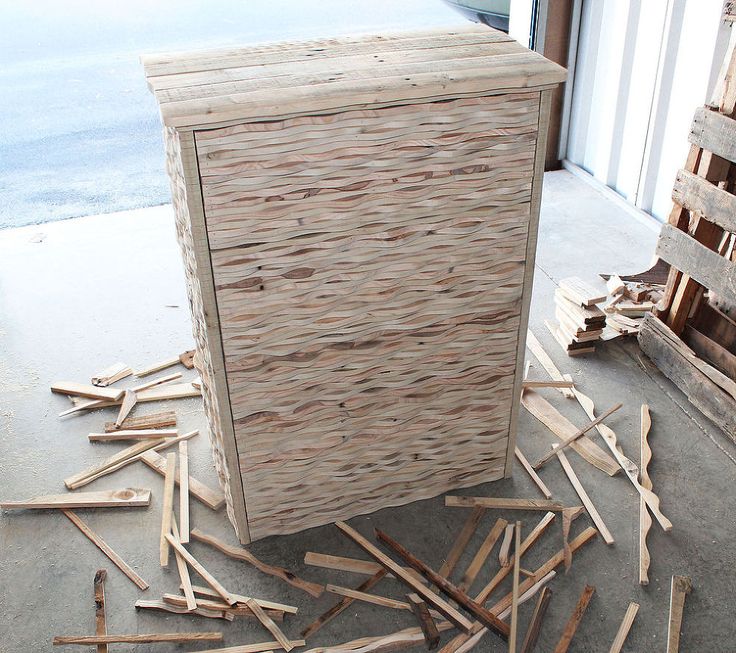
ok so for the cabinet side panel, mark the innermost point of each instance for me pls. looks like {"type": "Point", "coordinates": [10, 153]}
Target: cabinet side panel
{"type": "Point", "coordinates": [181, 163]}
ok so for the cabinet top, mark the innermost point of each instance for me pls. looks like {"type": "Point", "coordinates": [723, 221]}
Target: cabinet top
{"type": "Point", "coordinates": [280, 80]}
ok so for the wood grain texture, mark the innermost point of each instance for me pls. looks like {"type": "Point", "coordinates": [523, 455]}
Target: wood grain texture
{"type": "Point", "coordinates": [714, 132]}
{"type": "Point", "coordinates": [167, 509]}
{"type": "Point", "coordinates": [461, 541]}
{"type": "Point", "coordinates": [128, 497]}
{"type": "Point", "coordinates": [503, 503]}
{"type": "Point", "coordinates": [532, 473]}
{"type": "Point", "coordinates": [574, 621]}
{"type": "Point", "coordinates": [100, 614]}
{"type": "Point", "coordinates": [645, 520]}
{"type": "Point", "coordinates": [624, 628]}
{"type": "Point", "coordinates": [480, 557]}
{"type": "Point", "coordinates": [153, 421]}
{"type": "Point", "coordinates": [680, 587]}
{"type": "Point", "coordinates": [534, 628]}
{"type": "Point", "coordinates": [696, 193]}
{"type": "Point", "coordinates": [91, 640]}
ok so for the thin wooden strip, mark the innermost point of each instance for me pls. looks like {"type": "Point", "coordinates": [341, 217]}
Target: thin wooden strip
{"type": "Point", "coordinates": [680, 587]}
{"type": "Point", "coordinates": [645, 521]}
{"type": "Point", "coordinates": [211, 498]}
{"type": "Point", "coordinates": [85, 390]}
{"type": "Point", "coordinates": [545, 361]}
{"type": "Point", "coordinates": [162, 606]}
{"type": "Point", "coordinates": [130, 399]}
{"type": "Point", "coordinates": [502, 503]}
{"type": "Point", "coordinates": [100, 616]}
{"type": "Point", "coordinates": [695, 193]}
{"type": "Point", "coordinates": [313, 589]}
{"type": "Point", "coordinates": [249, 648]}
{"type": "Point", "coordinates": [428, 595]}
{"type": "Point", "coordinates": [461, 541]}
{"type": "Point", "coordinates": [531, 592]}
{"type": "Point", "coordinates": [352, 565]}
{"type": "Point", "coordinates": [134, 434]}
{"type": "Point", "coordinates": [128, 497]}
{"type": "Point", "coordinates": [239, 610]}
{"type": "Point", "coordinates": [181, 567]}
{"type": "Point", "coordinates": [167, 508]}
{"type": "Point", "coordinates": [209, 578]}
{"type": "Point", "coordinates": [482, 555]}
{"type": "Point", "coordinates": [406, 638]}
{"type": "Point", "coordinates": [515, 589]}
{"type": "Point", "coordinates": [580, 490]}
{"type": "Point", "coordinates": [183, 475]}
{"type": "Point", "coordinates": [546, 384]}
{"type": "Point", "coordinates": [532, 473]}
{"type": "Point", "coordinates": [535, 623]}
{"type": "Point", "coordinates": [87, 640]}
{"type": "Point", "coordinates": [445, 586]}
{"type": "Point", "coordinates": [505, 548]}
{"type": "Point", "coordinates": [426, 623]}
{"type": "Point", "coordinates": [574, 621]}
{"type": "Point", "coordinates": [623, 631]}
{"type": "Point", "coordinates": [266, 605]}
{"type": "Point", "coordinates": [112, 374]}
{"type": "Point", "coordinates": [105, 548]}
{"type": "Point", "coordinates": [270, 625]}
{"type": "Point", "coordinates": [157, 367]}
{"type": "Point", "coordinates": [154, 421]}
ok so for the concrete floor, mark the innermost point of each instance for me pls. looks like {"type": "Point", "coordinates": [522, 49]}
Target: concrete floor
{"type": "Point", "coordinates": [79, 295]}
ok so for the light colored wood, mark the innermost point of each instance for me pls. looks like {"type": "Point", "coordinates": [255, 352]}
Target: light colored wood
{"type": "Point", "coordinates": [91, 640]}
{"type": "Point", "coordinates": [547, 384]}
{"type": "Point", "coordinates": [181, 567]}
{"type": "Point", "coordinates": [111, 375]}
{"type": "Point", "coordinates": [183, 476]}
{"type": "Point", "coordinates": [575, 436]}
{"type": "Point", "coordinates": [695, 193]}
{"type": "Point", "coordinates": [353, 565]}
{"type": "Point", "coordinates": [568, 516]}
{"type": "Point", "coordinates": [568, 344]}
{"type": "Point", "coordinates": [561, 427]}
{"type": "Point", "coordinates": [85, 390]}
{"type": "Point", "coordinates": [100, 615]}
{"type": "Point", "coordinates": [535, 623]}
{"type": "Point", "coordinates": [679, 588]}
{"type": "Point", "coordinates": [580, 490]}
{"type": "Point", "coordinates": [482, 555]}
{"type": "Point", "coordinates": [623, 631]}
{"type": "Point", "coordinates": [580, 292]}
{"type": "Point", "coordinates": [461, 541]}
{"type": "Point", "coordinates": [105, 548]}
{"type": "Point", "coordinates": [167, 509]}
{"type": "Point", "coordinates": [368, 598]}
{"type": "Point", "coordinates": [503, 503]}
{"type": "Point", "coordinates": [157, 367]}
{"type": "Point", "coordinates": [585, 317]}
{"type": "Point", "coordinates": [130, 399]}
{"type": "Point", "coordinates": [546, 362]}
{"type": "Point", "coordinates": [266, 605]}
{"type": "Point", "coordinates": [430, 597]}
{"type": "Point", "coordinates": [211, 498]}
{"type": "Point", "coordinates": [645, 520]}
{"type": "Point", "coordinates": [127, 497]}
{"type": "Point", "coordinates": [714, 132]}
{"type": "Point", "coordinates": [532, 473]}
{"type": "Point", "coordinates": [503, 553]}
{"type": "Point", "coordinates": [515, 589]}
{"type": "Point", "coordinates": [238, 610]}
{"type": "Point", "coordinates": [406, 638]}
{"type": "Point", "coordinates": [146, 422]}
{"type": "Point", "coordinates": [270, 625]}
{"type": "Point", "coordinates": [135, 434]}
{"type": "Point", "coordinates": [162, 606]}
{"type": "Point", "coordinates": [530, 593]}
{"type": "Point", "coordinates": [194, 564]}
{"type": "Point", "coordinates": [574, 621]}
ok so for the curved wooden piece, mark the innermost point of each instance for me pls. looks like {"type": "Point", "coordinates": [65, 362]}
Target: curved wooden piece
{"type": "Point", "coordinates": [645, 520]}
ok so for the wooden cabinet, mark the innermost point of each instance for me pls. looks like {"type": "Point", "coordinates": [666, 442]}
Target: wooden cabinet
{"type": "Point", "coordinates": [358, 222]}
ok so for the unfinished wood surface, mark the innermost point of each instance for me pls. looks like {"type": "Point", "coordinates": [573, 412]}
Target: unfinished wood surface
{"type": "Point", "coordinates": [574, 621]}
{"type": "Point", "coordinates": [426, 623]}
{"type": "Point", "coordinates": [100, 615]}
{"type": "Point", "coordinates": [645, 521]}
{"type": "Point", "coordinates": [153, 638]}
{"type": "Point", "coordinates": [532, 473]}
{"type": "Point", "coordinates": [481, 555]}
{"type": "Point", "coordinates": [106, 549]}
{"type": "Point", "coordinates": [162, 606]}
{"type": "Point", "coordinates": [546, 362]}
{"type": "Point", "coordinates": [269, 624]}
{"type": "Point", "coordinates": [157, 367]}
{"type": "Point", "coordinates": [167, 509]}
{"type": "Point", "coordinates": [714, 132]}
{"type": "Point", "coordinates": [696, 193]}
{"type": "Point", "coordinates": [406, 638]}
{"type": "Point", "coordinates": [461, 541]}
{"type": "Point", "coordinates": [262, 647]}
{"type": "Point", "coordinates": [428, 595]}
{"type": "Point", "coordinates": [85, 390]}
{"type": "Point", "coordinates": [581, 292]}
{"type": "Point", "coordinates": [134, 434]}
{"type": "Point", "coordinates": [529, 593]}
{"type": "Point", "coordinates": [568, 516]}
{"type": "Point", "coordinates": [181, 567]}
{"type": "Point", "coordinates": [183, 475]}
{"type": "Point", "coordinates": [353, 565]}
{"type": "Point", "coordinates": [130, 399]}
{"type": "Point", "coordinates": [504, 558]}
{"type": "Point", "coordinates": [546, 384]}
{"type": "Point", "coordinates": [575, 436]}
{"type": "Point", "coordinates": [584, 316]}
{"type": "Point", "coordinates": [111, 375]}
{"type": "Point", "coordinates": [503, 503]}
{"type": "Point", "coordinates": [445, 586]}
{"type": "Point", "coordinates": [146, 422]}
{"type": "Point", "coordinates": [368, 598]}
{"type": "Point", "coordinates": [194, 564]}
{"type": "Point", "coordinates": [624, 628]}
{"type": "Point", "coordinates": [514, 626]}
{"type": "Point", "coordinates": [274, 606]}
{"type": "Point", "coordinates": [128, 497]}
{"type": "Point", "coordinates": [212, 498]}
{"type": "Point", "coordinates": [239, 553]}
{"type": "Point", "coordinates": [712, 352]}
{"type": "Point", "coordinates": [561, 427]}
{"type": "Point", "coordinates": [238, 610]}
{"type": "Point", "coordinates": [580, 491]}
{"type": "Point", "coordinates": [535, 623]}
{"type": "Point", "coordinates": [679, 588]}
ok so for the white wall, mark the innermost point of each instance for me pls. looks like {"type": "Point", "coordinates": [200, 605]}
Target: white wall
{"type": "Point", "coordinates": [643, 67]}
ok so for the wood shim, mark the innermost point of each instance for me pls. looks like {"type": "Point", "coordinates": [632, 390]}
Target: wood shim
{"type": "Point", "coordinates": [515, 589]}
{"type": "Point", "coordinates": [183, 476]}
{"type": "Point", "coordinates": [266, 605]}
{"type": "Point", "coordinates": [504, 550]}
{"type": "Point", "coordinates": [623, 631]}
{"type": "Point", "coordinates": [181, 567]}
{"type": "Point", "coordinates": [529, 593]}
{"type": "Point", "coordinates": [270, 625]}
{"type": "Point", "coordinates": [128, 497]}
{"type": "Point", "coordinates": [575, 618]}
{"type": "Point", "coordinates": [680, 587]}
{"type": "Point", "coordinates": [352, 565]}
{"type": "Point", "coordinates": [546, 362]}
{"type": "Point", "coordinates": [454, 501]}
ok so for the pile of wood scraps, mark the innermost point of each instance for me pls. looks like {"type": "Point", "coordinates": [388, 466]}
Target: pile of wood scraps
{"type": "Point", "coordinates": [580, 322]}
{"type": "Point", "coordinates": [629, 302]}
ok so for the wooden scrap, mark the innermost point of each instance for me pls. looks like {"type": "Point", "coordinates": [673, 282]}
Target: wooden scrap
{"type": "Point", "coordinates": [426, 623]}
{"type": "Point", "coordinates": [568, 516]}
{"type": "Point", "coordinates": [186, 359]}
{"type": "Point", "coordinates": [637, 292]}
{"type": "Point", "coordinates": [270, 625]}
{"type": "Point", "coordinates": [482, 555]}
{"type": "Point", "coordinates": [532, 473]}
{"type": "Point", "coordinates": [444, 585]}
{"type": "Point", "coordinates": [194, 563]}
{"type": "Point", "coordinates": [162, 606]}
{"type": "Point", "coordinates": [615, 285]}
{"type": "Point", "coordinates": [237, 610]}
{"type": "Point", "coordinates": [105, 548]}
{"type": "Point", "coordinates": [406, 638]}
{"type": "Point", "coordinates": [130, 399]}
{"type": "Point", "coordinates": [535, 623]}
{"type": "Point", "coordinates": [574, 621]}
{"type": "Point", "coordinates": [181, 567]}
{"type": "Point", "coordinates": [428, 595]}
{"type": "Point", "coordinates": [461, 541]}
{"type": "Point", "coordinates": [569, 347]}
{"type": "Point", "coordinates": [135, 434]}
{"type": "Point", "coordinates": [183, 476]}
{"type": "Point", "coordinates": [128, 497]}
{"type": "Point", "coordinates": [656, 274]}
{"type": "Point", "coordinates": [580, 490]}
{"type": "Point", "coordinates": [585, 317]}
{"type": "Point", "coordinates": [503, 553]}
{"type": "Point", "coordinates": [633, 309]}
{"type": "Point", "coordinates": [546, 384]}
{"type": "Point", "coordinates": [239, 553]}
{"type": "Point", "coordinates": [272, 606]}
{"type": "Point", "coordinates": [515, 589]}
{"type": "Point", "coordinates": [580, 292]}
{"type": "Point", "coordinates": [100, 615]}
{"type": "Point", "coordinates": [645, 520]}
{"type": "Point", "coordinates": [546, 362]}
{"type": "Point", "coordinates": [145, 422]}
{"type": "Point", "coordinates": [89, 391]}
{"type": "Point", "coordinates": [576, 436]}
{"type": "Point", "coordinates": [455, 501]}
{"type": "Point", "coordinates": [530, 593]}
{"type": "Point", "coordinates": [680, 587]}
{"type": "Point", "coordinates": [153, 638]}
{"type": "Point", "coordinates": [623, 631]}
{"type": "Point", "coordinates": [211, 498]}
{"type": "Point", "coordinates": [262, 647]}
{"type": "Point", "coordinates": [352, 565]}
{"type": "Point", "coordinates": [111, 375]}
{"type": "Point", "coordinates": [374, 599]}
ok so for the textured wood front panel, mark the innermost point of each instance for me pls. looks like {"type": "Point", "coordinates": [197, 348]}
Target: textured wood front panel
{"type": "Point", "coordinates": [369, 276]}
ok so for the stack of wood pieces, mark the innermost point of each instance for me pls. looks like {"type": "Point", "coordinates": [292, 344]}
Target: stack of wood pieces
{"type": "Point", "coordinates": [580, 322]}
{"type": "Point", "coordinates": [630, 300]}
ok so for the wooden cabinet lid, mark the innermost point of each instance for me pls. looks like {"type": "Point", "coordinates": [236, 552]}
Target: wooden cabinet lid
{"type": "Point", "coordinates": [280, 80]}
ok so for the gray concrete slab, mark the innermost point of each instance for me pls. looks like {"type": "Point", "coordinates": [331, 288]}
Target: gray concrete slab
{"type": "Point", "coordinates": [79, 295]}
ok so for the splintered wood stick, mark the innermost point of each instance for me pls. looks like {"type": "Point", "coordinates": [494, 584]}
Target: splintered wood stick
{"type": "Point", "coordinates": [100, 616]}
{"type": "Point", "coordinates": [645, 520]}
{"type": "Point", "coordinates": [181, 566]}
{"type": "Point", "coordinates": [531, 592]}
{"type": "Point", "coordinates": [680, 587]}
{"type": "Point", "coordinates": [505, 550]}
{"type": "Point", "coordinates": [84, 390]}
{"type": "Point", "coordinates": [575, 436]}
{"type": "Point", "coordinates": [503, 504]}
{"type": "Point", "coordinates": [240, 610]}
{"type": "Point", "coordinates": [162, 606]}
{"type": "Point", "coordinates": [482, 555]}
{"type": "Point", "coordinates": [532, 473]}
{"type": "Point", "coordinates": [128, 497]}
{"type": "Point", "coordinates": [461, 541]}
{"type": "Point", "coordinates": [535, 623]}
{"type": "Point", "coordinates": [105, 548]}
{"type": "Point", "coordinates": [86, 640]}
{"type": "Point", "coordinates": [167, 509]}
{"type": "Point", "coordinates": [266, 605]}
{"type": "Point", "coordinates": [623, 631]}
{"type": "Point", "coordinates": [269, 624]}
{"type": "Point", "coordinates": [545, 361]}
{"type": "Point", "coordinates": [343, 604]}
{"type": "Point", "coordinates": [183, 476]}
{"type": "Point", "coordinates": [426, 623]}
{"type": "Point", "coordinates": [154, 421]}
{"type": "Point", "coordinates": [445, 586]}
{"type": "Point", "coordinates": [130, 399]}
{"type": "Point", "coordinates": [313, 589]}
{"type": "Point", "coordinates": [428, 595]}
{"type": "Point", "coordinates": [515, 589]}
{"type": "Point", "coordinates": [574, 621]}
{"type": "Point", "coordinates": [262, 647]}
